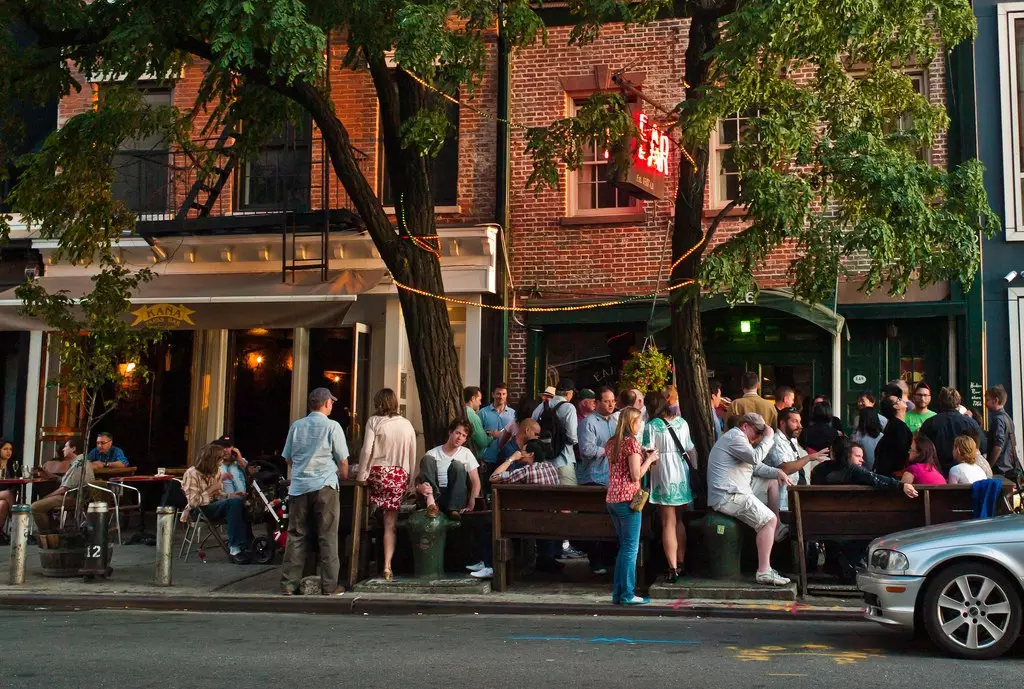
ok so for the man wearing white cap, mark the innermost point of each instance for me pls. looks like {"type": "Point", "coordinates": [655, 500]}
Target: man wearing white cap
{"type": "Point", "coordinates": [317, 454]}
{"type": "Point", "coordinates": [736, 459]}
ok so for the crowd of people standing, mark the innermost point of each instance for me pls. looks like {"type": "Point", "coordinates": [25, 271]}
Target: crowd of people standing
{"type": "Point", "coordinates": [629, 443]}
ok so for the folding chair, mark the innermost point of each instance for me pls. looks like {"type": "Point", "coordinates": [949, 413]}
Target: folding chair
{"type": "Point", "coordinates": [195, 537]}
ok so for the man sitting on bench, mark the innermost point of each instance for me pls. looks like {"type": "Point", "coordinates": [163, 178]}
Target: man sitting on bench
{"type": "Point", "coordinates": [735, 461]}
{"type": "Point", "coordinates": [533, 470]}
{"type": "Point", "coordinates": [445, 472]}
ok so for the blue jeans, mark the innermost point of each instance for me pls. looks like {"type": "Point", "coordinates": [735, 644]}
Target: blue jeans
{"type": "Point", "coordinates": [231, 510]}
{"type": "Point", "coordinates": [627, 526]}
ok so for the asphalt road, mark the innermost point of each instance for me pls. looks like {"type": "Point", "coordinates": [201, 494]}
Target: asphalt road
{"type": "Point", "coordinates": [163, 649]}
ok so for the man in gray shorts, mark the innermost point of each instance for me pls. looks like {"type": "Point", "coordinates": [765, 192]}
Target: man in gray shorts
{"type": "Point", "coordinates": [736, 461]}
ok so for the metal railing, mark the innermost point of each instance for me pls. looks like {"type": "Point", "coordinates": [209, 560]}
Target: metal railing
{"type": "Point", "coordinates": [178, 185]}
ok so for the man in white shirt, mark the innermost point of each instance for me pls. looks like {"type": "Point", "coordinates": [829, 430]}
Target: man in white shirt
{"type": "Point", "coordinates": [787, 455]}
{"type": "Point", "coordinates": [735, 460]}
{"type": "Point", "coordinates": [445, 472]}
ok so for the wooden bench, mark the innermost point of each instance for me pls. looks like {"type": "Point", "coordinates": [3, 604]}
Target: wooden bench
{"type": "Point", "coordinates": [863, 513]}
{"type": "Point", "coordinates": [554, 513]}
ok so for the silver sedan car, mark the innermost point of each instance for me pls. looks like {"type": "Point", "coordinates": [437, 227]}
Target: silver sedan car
{"type": "Point", "coordinates": [962, 583]}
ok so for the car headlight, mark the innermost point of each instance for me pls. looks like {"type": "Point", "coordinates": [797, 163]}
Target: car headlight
{"type": "Point", "coordinates": [889, 561]}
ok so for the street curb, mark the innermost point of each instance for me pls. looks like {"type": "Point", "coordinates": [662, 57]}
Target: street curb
{"type": "Point", "coordinates": [356, 605]}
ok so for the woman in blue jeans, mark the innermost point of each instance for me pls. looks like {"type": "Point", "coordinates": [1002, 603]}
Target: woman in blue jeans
{"type": "Point", "coordinates": [204, 491]}
{"type": "Point", "coordinates": [627, 464]}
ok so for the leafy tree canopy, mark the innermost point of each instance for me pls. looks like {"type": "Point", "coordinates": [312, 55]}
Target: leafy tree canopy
{"type": "Point", "coordinates": [830, 159]}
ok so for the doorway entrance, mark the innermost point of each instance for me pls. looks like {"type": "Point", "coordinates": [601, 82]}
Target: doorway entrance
{"type": "Point", "coordinates": [783, 349]}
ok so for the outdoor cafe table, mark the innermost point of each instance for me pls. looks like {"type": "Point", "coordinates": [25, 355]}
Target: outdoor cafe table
{"type": "Point", "coordinates": [20, 483]}
{"type": "Point", "coordinates": [141, 480]}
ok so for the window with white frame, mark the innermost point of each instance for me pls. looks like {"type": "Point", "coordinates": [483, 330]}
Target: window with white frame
{"type": "Point", "coordinates": [919, 80]}
{"type": "Point", "coordinates": [590, 192]}
{"type": "Point", "coordinates": [1011, 81]}
{"type": "Point", "coordinates": [725, 175]}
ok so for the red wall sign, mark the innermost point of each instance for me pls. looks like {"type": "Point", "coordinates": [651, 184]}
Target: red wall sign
{"type": "Point", "coordinates": [649, 158]}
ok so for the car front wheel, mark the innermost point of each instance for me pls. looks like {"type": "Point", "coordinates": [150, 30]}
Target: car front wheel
{"type": "Point", "coordinates": [972, 610]}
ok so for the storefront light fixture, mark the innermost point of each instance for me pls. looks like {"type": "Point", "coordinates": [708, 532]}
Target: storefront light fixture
{"type": "Point", "coordinates": [254, 360]}
{"type": "Point", "coordinates": [744, 326]}
{"type": "Point", "coordinates": [126, 369]}
{"type": "Point", "coordinates": [333, 376]}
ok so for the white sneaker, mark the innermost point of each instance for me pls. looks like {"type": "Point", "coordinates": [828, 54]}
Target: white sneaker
{"type": "Point", "coordinates": [487, 573]}
{"type": "Point", "coordinates": [771, 578]}
{"type": "Point", "coordinates": [477, 567]}
{"type": "Point", "coordinates": [782, 533]}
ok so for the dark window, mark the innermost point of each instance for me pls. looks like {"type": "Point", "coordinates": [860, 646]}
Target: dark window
{"type": "Point", "coordinates": [278, 176]}
{"type": "Point", "coordinates": [444, 168]}
{"type": "Point", "coordinates": [141, 165]}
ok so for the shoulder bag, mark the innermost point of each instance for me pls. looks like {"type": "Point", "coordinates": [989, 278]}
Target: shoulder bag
{"type": "Point", "coordinates": [697, 487]}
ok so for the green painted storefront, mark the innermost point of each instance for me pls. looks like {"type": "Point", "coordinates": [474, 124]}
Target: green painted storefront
{"type": "Point", "coordinates": [787, 341]}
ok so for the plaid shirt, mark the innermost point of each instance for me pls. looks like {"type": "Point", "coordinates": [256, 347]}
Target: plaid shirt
{"type": "Point", "coordinates": [538, 473]}
{"type": "Point", "coordinates": [201, 490]}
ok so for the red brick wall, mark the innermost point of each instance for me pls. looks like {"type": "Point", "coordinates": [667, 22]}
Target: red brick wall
{"type": "Point", "coordinates": [356, 104]}
{"type": "Point", "coordinates": [563, 262]}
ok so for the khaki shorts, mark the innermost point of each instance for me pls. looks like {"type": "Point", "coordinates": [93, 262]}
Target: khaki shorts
{"type": "Point", "coordinates": [746, 508]}
{"type": "Point", "coordinates": [567, 475]}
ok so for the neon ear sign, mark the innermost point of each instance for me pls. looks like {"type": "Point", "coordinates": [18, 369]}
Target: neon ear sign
{"type": "Point", "coordinates": [652, 145]}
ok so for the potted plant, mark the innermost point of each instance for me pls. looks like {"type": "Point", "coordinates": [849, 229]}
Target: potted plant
{"type": "Point", "coordinates": [647, 369]}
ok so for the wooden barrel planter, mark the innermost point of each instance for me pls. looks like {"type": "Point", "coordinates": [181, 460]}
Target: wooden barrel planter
{"type": "Point", "coordinates": [61, 554]}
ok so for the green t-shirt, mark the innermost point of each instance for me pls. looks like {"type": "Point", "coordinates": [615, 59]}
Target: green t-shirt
{"type": "Point", "coordinates": [914, 420]}
{"type": "Point", "coordinates": [478, 438]}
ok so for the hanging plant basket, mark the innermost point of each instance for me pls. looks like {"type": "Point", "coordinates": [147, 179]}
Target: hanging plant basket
{"type": "Point", "coordinates": [647, 370]}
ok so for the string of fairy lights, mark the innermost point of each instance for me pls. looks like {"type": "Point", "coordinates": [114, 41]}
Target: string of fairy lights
{"type": "Point", "coordinates": [422, 241]}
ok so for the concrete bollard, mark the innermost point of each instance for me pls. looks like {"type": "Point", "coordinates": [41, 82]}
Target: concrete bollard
{"type": "Point", "coordinates": [164, 538]}
{"type": "Point", "coordinates": [19, 543]}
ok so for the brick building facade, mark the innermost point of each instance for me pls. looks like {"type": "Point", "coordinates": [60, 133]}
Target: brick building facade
{"type": "Point", "coordinates": [563, 252]}
{"type": "Point", "coordinates": [257, 335]}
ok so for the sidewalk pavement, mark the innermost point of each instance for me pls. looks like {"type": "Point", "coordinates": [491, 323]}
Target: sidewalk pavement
{"type": "Point", "coordinates": [218, 585]}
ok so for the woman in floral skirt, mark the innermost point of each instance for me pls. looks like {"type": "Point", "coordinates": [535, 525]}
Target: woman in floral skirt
{"type": "Point", "coordinates": [387, 464]}
{"type": "Point", "coordinates": [669, 434]}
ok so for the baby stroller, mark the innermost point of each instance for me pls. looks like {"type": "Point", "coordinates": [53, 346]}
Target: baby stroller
{"type": "Point", "coordinates": [267, 503]}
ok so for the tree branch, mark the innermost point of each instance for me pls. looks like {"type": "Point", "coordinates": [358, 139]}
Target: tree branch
{"type": "Point", "coordinates": [722, 214]}
{"type": "Point", "coordinates": [334, 132]}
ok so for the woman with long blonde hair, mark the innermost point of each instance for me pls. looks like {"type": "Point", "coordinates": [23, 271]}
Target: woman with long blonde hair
{"type": "Point", "coordinates": [204, 491]}
{"type": "Point", "coordinates": [627, 464]}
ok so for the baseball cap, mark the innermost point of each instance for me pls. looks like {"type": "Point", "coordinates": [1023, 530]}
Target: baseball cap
{"type": "Point", "coordinates": [225, 441]}
{"type": "Point", "coordinates": [566, 384]}
{"type": "Point", "coordinates": [587, 394]}
{"type": "Point", "coordinates": [319, 397]}
{"type": "Point", "coordinates": [549, 390]}
{"type": "Point", "coordinates": [754, 419]}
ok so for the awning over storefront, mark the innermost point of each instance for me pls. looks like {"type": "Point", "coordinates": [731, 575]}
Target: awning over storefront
{"type": "Point", "coordinates": [225, 301]}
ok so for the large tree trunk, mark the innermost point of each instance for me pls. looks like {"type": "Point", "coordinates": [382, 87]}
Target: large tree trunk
{"type": "Point", "coordinates": [687, 347]}
{"type": "Point", "coordinates": [431, 341]}
{"type": "Point", "coordinates": [431, 345]}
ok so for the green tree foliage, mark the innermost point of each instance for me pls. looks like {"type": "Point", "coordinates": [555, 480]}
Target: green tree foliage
{"type": "Point", "coordinates": [92, 338]}
{"type": "Point", "coordinates": [264, 60]}
{"type": "Point", "coordinates": [829, 160]}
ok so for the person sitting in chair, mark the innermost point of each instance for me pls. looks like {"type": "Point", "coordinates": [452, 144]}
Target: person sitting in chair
{"type": "Point", "coordinates": [445, 472]}
{"type": "Point", "coordinates": [106, 454]}
{"type": "Point", "coordinates": [204, 491]}
{"type": "Point", "coordinates": [78, 476]}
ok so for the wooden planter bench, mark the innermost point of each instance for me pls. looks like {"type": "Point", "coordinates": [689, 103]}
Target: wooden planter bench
{"type": "Point", "coordinates": [863, 513]}
{"type": "Point", "coordinates": [554, 513]}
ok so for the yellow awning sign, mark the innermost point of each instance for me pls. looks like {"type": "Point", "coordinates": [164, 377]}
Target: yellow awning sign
{"type": "Point", "coordinates": [163, 315]}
